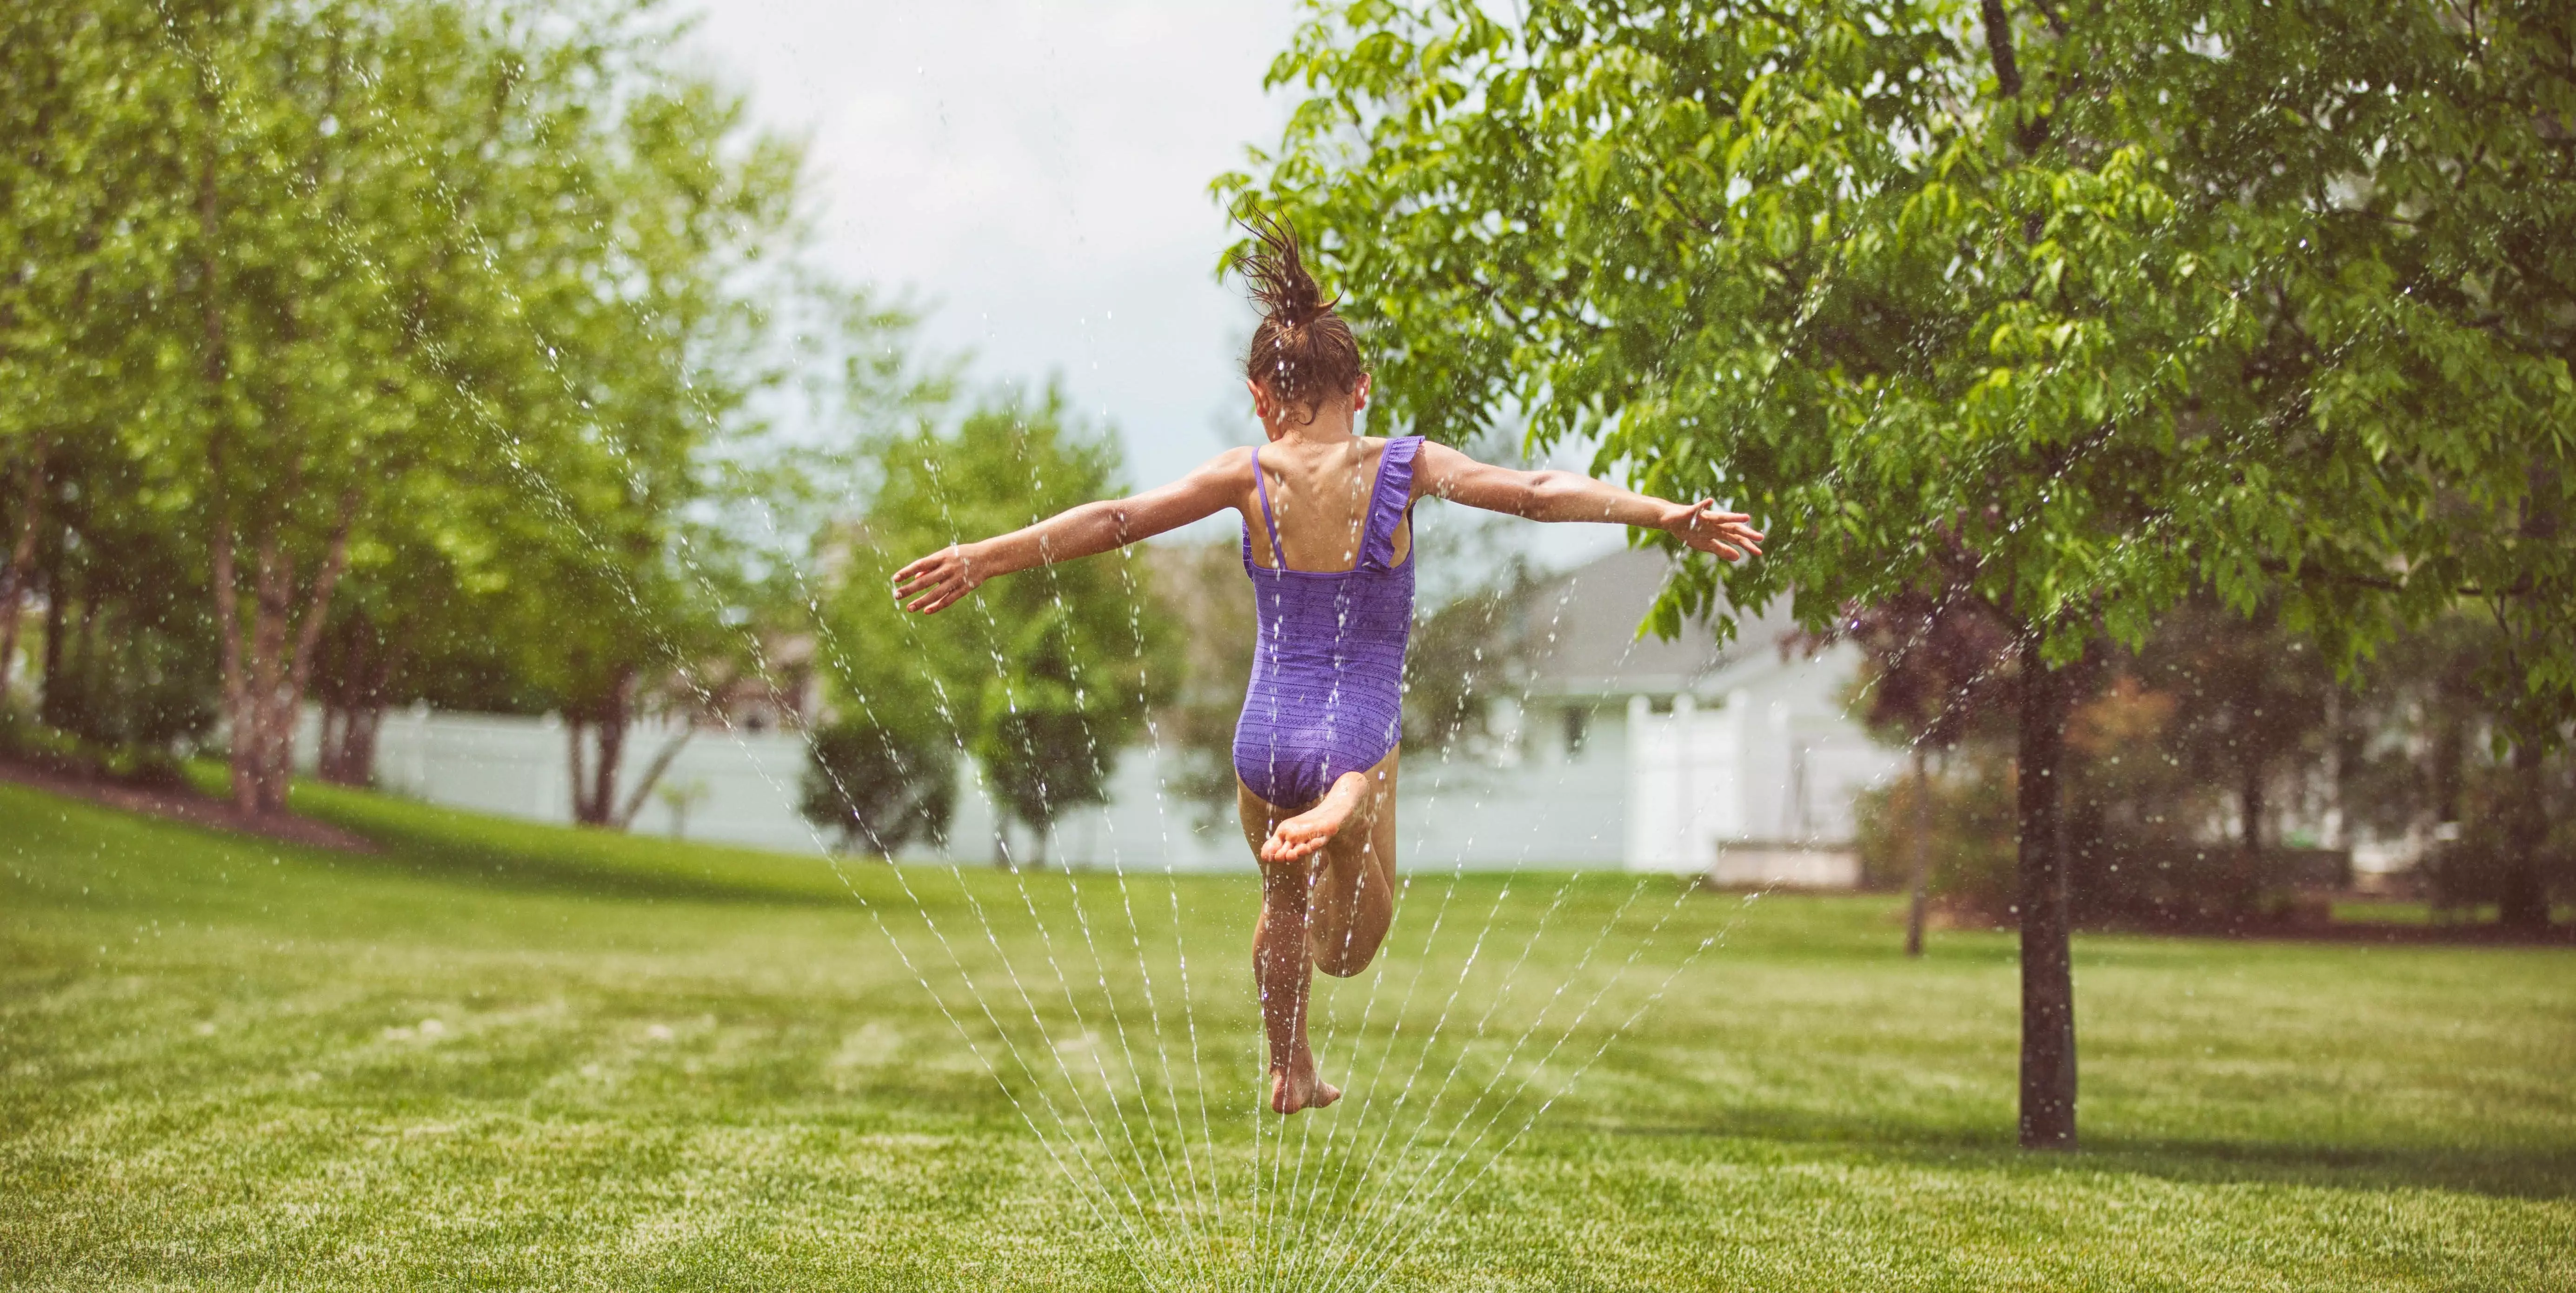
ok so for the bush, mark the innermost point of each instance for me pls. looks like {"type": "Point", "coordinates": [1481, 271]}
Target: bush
{"type": "Point", "coordinates": [1972, 837]}
{"type": "Point", "coordinates": [72, 755]}
{"type": "Point", "coordinates": [878, 788]}
{"type": "Point", "coordinates": [2470, 871]}
{"type": "Point", "coordinates": [2115, 876]}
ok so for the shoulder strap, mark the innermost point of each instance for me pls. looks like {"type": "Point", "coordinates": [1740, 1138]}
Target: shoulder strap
{"type": "Point", "coordinates": [1393, 496]}
{"type": "Point", "coordinates": [1261, 486]}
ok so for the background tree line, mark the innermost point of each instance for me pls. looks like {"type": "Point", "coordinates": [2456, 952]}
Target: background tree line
{"type": "Point", "coordinates": [2217, 776]}
{"type": "Point", "coordinates": [383, 351]}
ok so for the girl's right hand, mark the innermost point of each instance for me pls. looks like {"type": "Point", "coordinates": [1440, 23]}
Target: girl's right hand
{"type": "Point", "coordinates": [1709, 528]}
{"type": "Point", "coordinates": [934, 583]}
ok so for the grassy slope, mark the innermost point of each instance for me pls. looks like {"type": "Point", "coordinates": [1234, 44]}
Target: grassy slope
{"type": "Point", "coordinates": [663, 1066]}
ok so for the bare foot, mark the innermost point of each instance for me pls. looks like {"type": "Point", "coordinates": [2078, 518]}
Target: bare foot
{"type": "Point", "coordinates": [1314, 828]}
{"type": "Point", "coordinates": [1296, 1087]}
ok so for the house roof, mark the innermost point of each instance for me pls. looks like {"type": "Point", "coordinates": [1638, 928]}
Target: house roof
{"type": "Point", "coordinates": [1583, 638]}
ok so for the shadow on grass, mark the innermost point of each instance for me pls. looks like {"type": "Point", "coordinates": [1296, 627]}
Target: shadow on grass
{"type": "Point", "coordinates": [435, 843]}
{"type": "Point", "coordinates": [2503, 1173]}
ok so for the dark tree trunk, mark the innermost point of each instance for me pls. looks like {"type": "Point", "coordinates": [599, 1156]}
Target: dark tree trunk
{"type": "Point", "coordinates": [575, 732]}
{"type": "Point", "coordinates": [21, 570]}
{"type": "Point", "coordinates": [612, 753]}
{"type": "Point", "coordinates": [653, 774]}
{"type": "Point", "coordinates": [2524, 902]}
{"type": "Point", "coordinates": [354, 710]}
{"type": "Point", "coordinates": [2047, 971]}
{"type": "Point", "coordinates": [335, 694]}
{"type": "Point", "coordinates": [594, 789]}
{"type": "Point", "coordinates": [51, 698]}
{"type": "Point", "coordinates": [358, 744]}
{"type": "Point", "coordinates": [2249, 852]}
{"type": "Point", "coordinates": [1922, 860]}
{"type": "Point", "coordinates": [85, 670]}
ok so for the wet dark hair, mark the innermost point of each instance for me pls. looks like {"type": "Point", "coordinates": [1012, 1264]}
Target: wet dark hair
{"type": "Point", "coordinates": [1302, 351]}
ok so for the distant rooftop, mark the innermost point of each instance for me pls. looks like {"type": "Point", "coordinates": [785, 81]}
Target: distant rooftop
{"type": "Point", "coordinates": [1583, 631]}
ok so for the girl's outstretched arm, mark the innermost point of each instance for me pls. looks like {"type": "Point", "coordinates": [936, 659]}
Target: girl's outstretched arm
{"type": "Point", "coordinates": [1443, 472]}
{"type": "Point", "coordinates": [934, 583]}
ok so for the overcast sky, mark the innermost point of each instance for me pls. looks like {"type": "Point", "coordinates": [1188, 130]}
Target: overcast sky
{"type": "Point", "coordinates": [1036, 176]}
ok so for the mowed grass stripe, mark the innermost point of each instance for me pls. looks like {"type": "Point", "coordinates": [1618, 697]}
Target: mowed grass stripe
{"type": "Point", "coordinates": [662, 1065]}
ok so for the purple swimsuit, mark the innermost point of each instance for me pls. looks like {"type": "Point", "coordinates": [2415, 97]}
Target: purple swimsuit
{"type": "Point", "coordinates": [1327, 694]}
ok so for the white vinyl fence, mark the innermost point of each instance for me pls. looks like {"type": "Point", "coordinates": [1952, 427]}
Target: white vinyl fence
{"type": "Point", "coordinates": [1550, 810]}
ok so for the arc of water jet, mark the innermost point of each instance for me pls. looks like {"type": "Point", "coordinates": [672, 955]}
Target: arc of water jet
{"type": "Point", "coordinates": [1555, 624]}
{"type": "Point", "coordinates": [1687, 960]}
{"type": "Point", "coordinates": [1369, 1219]}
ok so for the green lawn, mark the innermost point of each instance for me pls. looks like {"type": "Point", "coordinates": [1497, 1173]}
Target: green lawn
{"type": "Point", "coordinates": [501, 1056]}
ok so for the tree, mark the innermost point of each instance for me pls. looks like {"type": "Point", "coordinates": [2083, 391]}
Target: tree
{"type": "Point", "coordinates": [1938, 669]}
{"type": "Point", "coordinates": [127, 650]}
{"type": "Point", "coordinates": [2115, 304]}
{"type": "Point", "coordinates": [2423, 762]}
{"type": "Point", "coordinates": [1210, 603]}
{"type": "Point", "coordinates": [1044, 677]}
{"type": "Point", "coordinates": [462, 302]}
{"type": "Point", "coordinates": [1471, 646]}
{"type": "Point", "coordinates": [2248, 698]}
{"type": "Point", "coordinates": [871, 784]}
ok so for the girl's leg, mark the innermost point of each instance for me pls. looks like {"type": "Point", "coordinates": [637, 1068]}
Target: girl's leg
{"type": "Point", "coordinates": [1283, 963]}
{"type": "Point", "coordinates": [1353, 899]}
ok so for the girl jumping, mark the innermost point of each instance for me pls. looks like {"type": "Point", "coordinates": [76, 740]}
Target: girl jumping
{"type": "Point", "coordinates": [1331, 564]}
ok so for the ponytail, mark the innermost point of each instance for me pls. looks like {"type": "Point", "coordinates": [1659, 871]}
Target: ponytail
{"type": "Point", "coordinates": [1302, 351]}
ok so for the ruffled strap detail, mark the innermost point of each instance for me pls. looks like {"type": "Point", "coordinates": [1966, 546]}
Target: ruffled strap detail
{"type": "Point", "coordinates": [1387, 505]}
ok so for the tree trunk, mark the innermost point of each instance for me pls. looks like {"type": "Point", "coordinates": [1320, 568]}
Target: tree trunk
{"type": "Point", "coordinates": [2524, 902]}
{"type": "Point", "coordinates": [2249, 851]}
{"type": "Point", "coordinates": [2047, 972]}
{"type": "Point", "coordinates": [334, 697]}
{"type": "Point", "coordinates": [215, 369]}
{"type": "Point", "coordinates": [22, 559]}
{"type": "Point", "coordinates": [1922, 859]}
{"type": "Point", "coordinates": [55, 601]}
{"type": "Point", "coordinates": [653, 773]}
{"type": "Point", "coordinates": [366, 719]}
{"type": "Point", "coordinates": [575, 729]}
{"type": "Point", "coordinates": [237, 712]}
{"type": "Point", "coordinates": [612, 751]}
{"type": "Point", "coordinates": [72, 706]}
{"type": "Point", "coordinates": [271, 580]}
{"type": "Point", "coordinates": [265, 684]}
{"type": "Point", "coordinates": [328, 736]}
{"type": "Point", "coordinates": [595, 803]}
{"type": "Point", "coordinates": [358, 744]}
{"type": "Point", "coordinates": [354, 711]}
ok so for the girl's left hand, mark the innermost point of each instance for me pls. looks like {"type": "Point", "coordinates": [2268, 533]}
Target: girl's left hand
{"type": "Point", "coordinates": [934, 583]}
{"type": "Point", "coordinates": [1709, 528]}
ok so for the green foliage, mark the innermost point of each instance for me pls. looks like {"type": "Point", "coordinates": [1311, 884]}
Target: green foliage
{"type": "Point", "coordinates": [1470, 649]}
{"type": "Point", "coordinates": [79, 754]}
{"type": "Point", "coordinates": [440, 331]}
{"type": "Point", "coordinates": [2068, 314]}
{"type": "Point", "coordinates": [1043, 676]}
{"type": "Point", "coordinates": [864, 783]}
{"type": "Point", "coordinates": [126, 648]}
{"type": "Point", "coordinates": [1204, 592]}
{"type": "Point", "coordinates": [1972, 837]}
